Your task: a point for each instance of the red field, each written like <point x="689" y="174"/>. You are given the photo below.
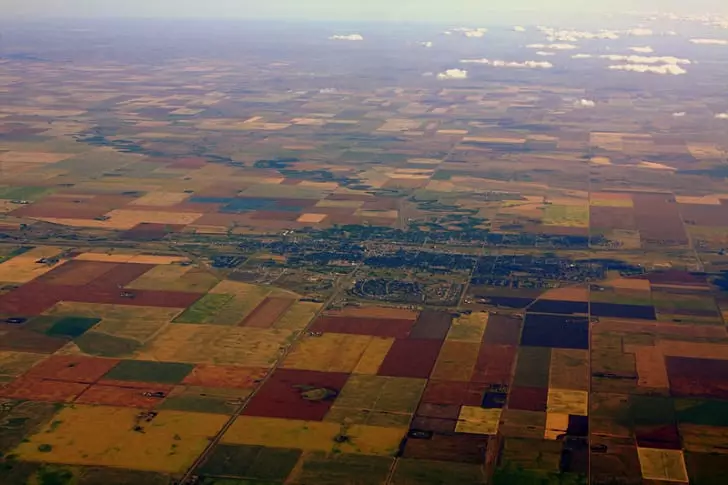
<point x="378" y="327"/>
<point x="410" y="358"/>
<point x="224" y="376"/>
<point x="453" y="393"/>
<point x="284" y="395"/>
<point x="663" y="436"/>
<point x="267" y="312"/>
<point x="495" y="364"/>
<point x="126" y="394"/>
<point x="528" y="398"/>
<point x="72" y="368"/>
<point x="42" y="390"/>
<point x="76" y="273"/>
<point x="698" y="377"/>
<point x="36" y="297"/>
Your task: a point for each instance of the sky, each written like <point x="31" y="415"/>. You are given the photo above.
<point x="345" y="10"/>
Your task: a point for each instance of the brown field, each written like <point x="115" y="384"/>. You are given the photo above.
<point x="124" y="394"/>
<point x="27" y="388"/>
<point x="569" y="369"/>
<point x="216" y="345"/>
<point x="224" y="376"/>
<point x="267" y="312"/>
<point x="72" y="369"/>
<point x="375" y="312"/>
<point x="76" y="273"/>
<point x="456" y="361"/>
<point x="650" y="367"/>
<point x="566" y="294"/>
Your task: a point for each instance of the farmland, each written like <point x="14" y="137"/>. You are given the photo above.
<point x="258" y="266"/>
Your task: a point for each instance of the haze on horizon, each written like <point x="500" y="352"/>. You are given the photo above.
<point x="348" y="10"/>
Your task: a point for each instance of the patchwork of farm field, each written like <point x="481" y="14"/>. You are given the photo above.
<point x="251" y="267"/>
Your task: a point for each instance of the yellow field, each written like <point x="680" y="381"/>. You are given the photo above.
<point x="468" y="328"/>
<point x="567" y="401"/>
<point x="15" y="363"/>
<point x="314" y="436"/>
<point x="477" y="420"/>
<point x="170" y="443"/>
<point x="127" y="321"/>
<point x="373" y="356"/>
<point x="297" y="316"/>
<point x="398" y="395"/>
<point x="23" y="268"/>
<point x="372" y="440"/>
<point x="600" y="161"/>
<point x="456" y="361"/>
<point x="556" y="425"/>
<point x="161" y="199"/>
<point x="566" y="215"/>
<point x="246" y="298"/>
<point x="282" y="433"/>
<point x="311" y="218"/>
<point x="330" y="352"/>
<point x="668" y="465"/>
<point x="216" y="344"/>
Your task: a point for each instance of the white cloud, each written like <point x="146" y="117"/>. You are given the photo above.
<point x="640" y="32"/>
<point x="554" y="35"/>
<point x="517" y="65"/>
<point x="524" y="65"/>
<point x="469" y="32"/>
<point x="518" y="28"/>
<point x="721" y="116"/>
<point x="646" y="59"/>
<point x="679" y="114"/>
<point x="586" y="103"/>
<point x="709" y="41"/>
<point x="426" y="44"/>
<point x="665" y="69"/>
<point x="475" y="61"/>
<point x="642" y="50"/>
<point x="545" y="54"/>
<point x="582" y="56"/>
<point x="352" y="37"/>
<point x="558" y="47"/>
<point x="453" y="74"/>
